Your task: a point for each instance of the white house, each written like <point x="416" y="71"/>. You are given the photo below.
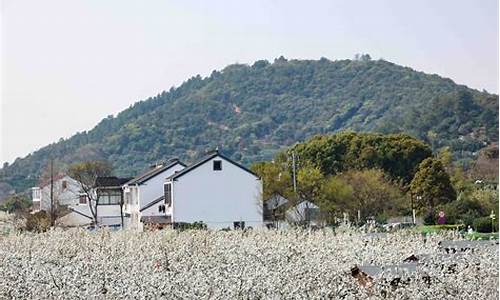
<point x="143" y="195"/>
<point x="109" y="193"/>
<point x="216" y="191"/>
<point x="279" y="212"/>
<point x="65" y="191"/>
<point x="302" y="213"/>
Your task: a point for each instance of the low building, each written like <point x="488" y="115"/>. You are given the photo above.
<point x="144" y="196"/>
<point x="64" y="189"/>
<point x="217" y="191"/>
<point x="304" y="213"/>
<point x="109" y="195"/>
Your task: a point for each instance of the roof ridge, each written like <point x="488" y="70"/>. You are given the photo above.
<point x="207" y="157"/>
<point x="155" y="171"/>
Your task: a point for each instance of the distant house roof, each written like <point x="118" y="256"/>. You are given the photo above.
<point x="110" y="181"/>
<point x="154" y="172"/>
<point x="275" y="201"/>
<point x="463" y="245"/>
<point x="389" y="271"/>
<point x="440" y="257"/>
<point x="206" y="158"/>
<point x="44" y="181"/>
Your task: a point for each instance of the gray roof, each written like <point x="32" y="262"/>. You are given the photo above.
<point x="441" y="258"/>
<point x="375" y="235"/>
<point x="464" y="244"/>
<point x="153" y="172"/>
<point x="110" y="181"/>
<point x="389" y="271"/>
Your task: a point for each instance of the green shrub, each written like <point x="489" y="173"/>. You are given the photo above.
<point x="430" y="218"/>
<point x="15" y="203"/>
<point x="188" y="226"/>
<point x="482" y="224"/>
<point x="463" y="211"/>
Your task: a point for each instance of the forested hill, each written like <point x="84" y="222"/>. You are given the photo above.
<point x="252" y="111"/>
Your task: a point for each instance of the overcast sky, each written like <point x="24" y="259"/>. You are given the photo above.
<point x="65" y="65"/>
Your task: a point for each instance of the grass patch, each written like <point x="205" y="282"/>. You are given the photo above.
<point x="438" y="228"/>
<point x="481" y="236"/>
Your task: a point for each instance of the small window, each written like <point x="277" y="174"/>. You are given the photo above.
<point x="83" y="199"/>
<point x="168" y="194"/>
<point x="161" y="208"/>
<point x="217" y="165"/>
<point x="239" y="225"/>
<point x="64" y="184"/>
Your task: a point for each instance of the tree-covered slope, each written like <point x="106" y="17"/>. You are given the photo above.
<point x="252" y="111"/>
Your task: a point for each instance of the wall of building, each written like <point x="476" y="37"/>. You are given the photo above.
<point x="153" y="188"/>
<point x="63" y="196"/>
<point x="218" y="198"/>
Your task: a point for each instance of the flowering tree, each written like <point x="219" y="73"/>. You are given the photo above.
<point x="256" y="264"/>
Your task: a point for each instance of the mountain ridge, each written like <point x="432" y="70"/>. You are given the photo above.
<point x="252" y="111"/>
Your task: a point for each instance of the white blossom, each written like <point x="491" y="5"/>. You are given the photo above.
<point x="255" y="264"/>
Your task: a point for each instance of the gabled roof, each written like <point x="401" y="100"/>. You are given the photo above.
<point x="79" y="212"/>
<point x="109" y="181"/>
<point x="152" y="203"/>
<point x="43" y="182"/>
<point x="153" y="172"/>
<point x="206" y="158"/>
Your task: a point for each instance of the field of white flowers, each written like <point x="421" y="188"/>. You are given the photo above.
<point x="77" y="264"/>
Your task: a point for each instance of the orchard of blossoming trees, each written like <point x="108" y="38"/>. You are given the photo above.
<point x="78" y="264"/>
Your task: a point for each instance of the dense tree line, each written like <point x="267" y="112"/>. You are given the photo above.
<point x="375" y="175"/>
<point x="251" y="112"/>
<point x="396" y="154"/>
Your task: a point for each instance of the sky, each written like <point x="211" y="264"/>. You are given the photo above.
<point x="65" y="65"/>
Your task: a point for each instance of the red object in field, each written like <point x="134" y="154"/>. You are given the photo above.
<point x="442" y="218"/>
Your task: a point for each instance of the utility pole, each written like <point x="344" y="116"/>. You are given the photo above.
<point x="412" y="208"/>
<point x="52" y="208"/>
<point x="294" y="173"/>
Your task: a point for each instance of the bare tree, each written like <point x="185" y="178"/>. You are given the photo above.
<point x="86" y="174"/>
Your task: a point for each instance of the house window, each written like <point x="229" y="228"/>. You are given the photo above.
<point x="239" y="225"/>
<point x="64" y="184"/>
<point x="217" y="165"/>
<point x="110" y="197"/>
<point x="83" y="199"/>
<point x="36" y="193"/>
<point x="168" y="193"/>
<point x="161" y="208"/>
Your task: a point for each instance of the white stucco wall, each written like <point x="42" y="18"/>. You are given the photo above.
<point x="73" y="219"/>
<point x="153" y="188"/>
<point x="298" y="213"/>
<point x="106" y="214"/>
<point x="218" y="198"/>
<point x="63" y="196"/>
<point x="154" y="210"/>
<point x="143" y="194"/>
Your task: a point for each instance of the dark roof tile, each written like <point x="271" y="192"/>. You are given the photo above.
<point x="153" y="172"/>
<point x="206" y="158"/>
